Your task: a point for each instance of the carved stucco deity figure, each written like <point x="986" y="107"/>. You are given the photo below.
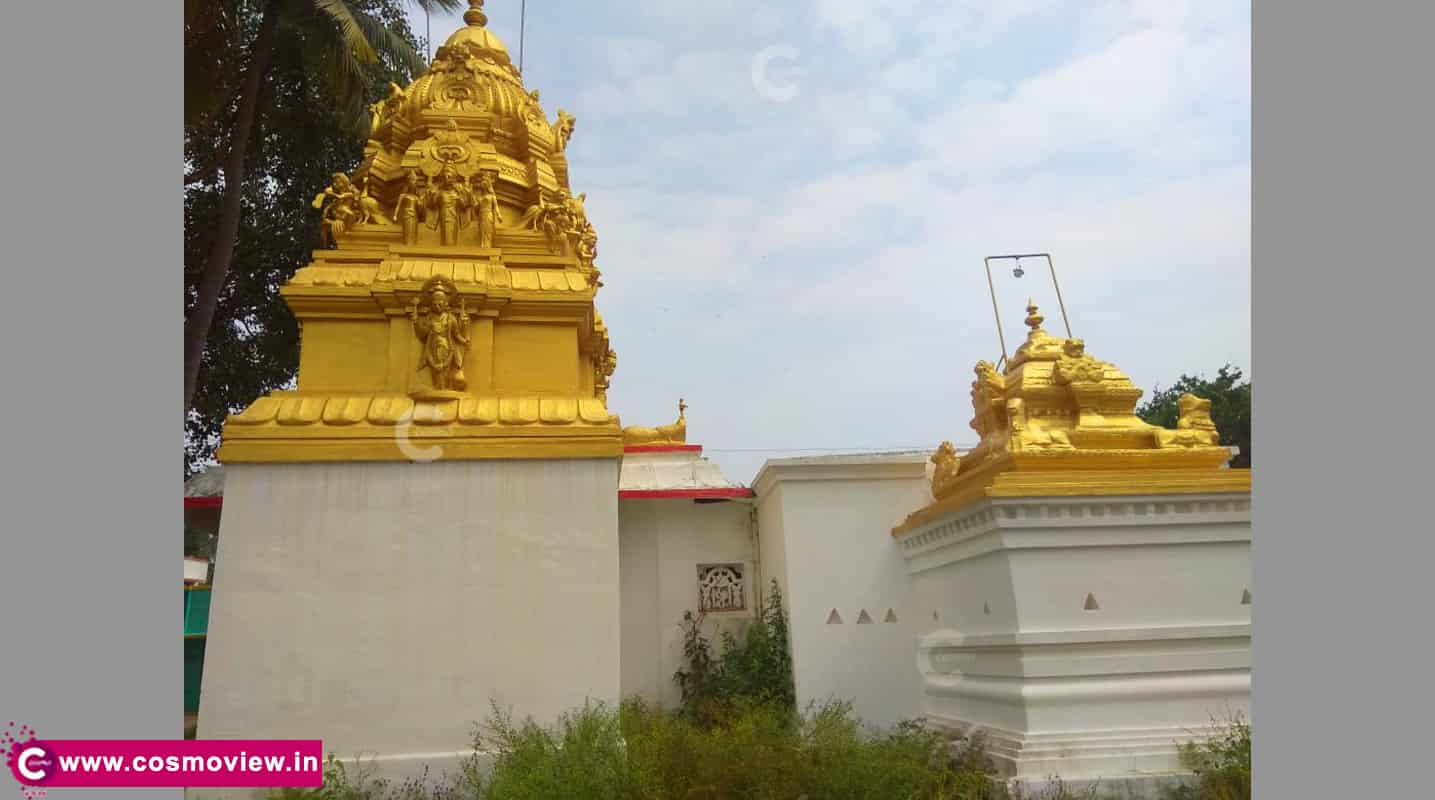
<point x="947" y="465"/>
<point x="1194" y="427"/>
<point x="485" y="199"/>
<point x="563" y="130"/>
<point x="606" y="366"/>
<point x="449" y="199"/>
<point x="340" y="204"/>
<point x="548" y="219"/>
<point x="443" y="333"/>
<point x="406" y="210"/>
<point x="1078" y="366"/>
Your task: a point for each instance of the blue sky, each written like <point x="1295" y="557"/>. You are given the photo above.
<point x="793" y="200"/>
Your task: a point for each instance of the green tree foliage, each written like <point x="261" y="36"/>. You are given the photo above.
<point x="1230" y="407"/>
<point x="284" y="85"/>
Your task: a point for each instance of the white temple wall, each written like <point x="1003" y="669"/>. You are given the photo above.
<point x="383" y="606"/>
<point x="827" y="521"/>
<point x="662" y="544"/>
<point x="771" y="541"/>
<point x="1086" y="636"/>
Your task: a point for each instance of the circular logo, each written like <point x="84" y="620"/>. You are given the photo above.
<point x="34" y="763"/>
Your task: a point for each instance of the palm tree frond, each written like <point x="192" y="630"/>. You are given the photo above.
<point x="388" y="43"/>
<point x="431" y="6"/>
<point x="351" y="28"/>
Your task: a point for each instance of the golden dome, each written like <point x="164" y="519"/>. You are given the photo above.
<point x="477" y="38"/>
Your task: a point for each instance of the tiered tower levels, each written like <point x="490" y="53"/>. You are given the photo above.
<point x="451" y="312"/>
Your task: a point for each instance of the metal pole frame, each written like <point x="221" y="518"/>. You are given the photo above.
<point x="992" y="288"/>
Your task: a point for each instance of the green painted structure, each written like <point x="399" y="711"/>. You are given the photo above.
<point x="196" y="628"/>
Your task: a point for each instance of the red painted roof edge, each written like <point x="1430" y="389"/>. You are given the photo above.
<point x="659" y="494"/>
<point x="203" y="502"/>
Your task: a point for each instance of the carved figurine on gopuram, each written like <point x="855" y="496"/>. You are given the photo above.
<point x="563" y="130"/>
<point x="449" y="199"/>
<point x="406" y="211"/>
<point x="485" y="201"/>
<point x="382" y="113"/>
<point x="947" y="463"/>
<point x="606" y="366"/>
<point x="1194" y="428"/>
<point x="340" y="208"/>
<point x="444" y="335"/>
<point x="548" y="219"/>
<point x="369" y="209"/>
<point x="676" y="433"/>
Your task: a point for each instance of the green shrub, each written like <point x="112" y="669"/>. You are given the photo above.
<point x="342" y="782"/>
<point x="1222" y="763"/>
<point x="755" y="667"/>
<point x="757" y="750"/>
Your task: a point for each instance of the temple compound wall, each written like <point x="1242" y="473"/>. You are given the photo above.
<point x="852" y="615"/>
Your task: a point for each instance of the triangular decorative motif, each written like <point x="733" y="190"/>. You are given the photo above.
<point x="834" y="618"/>
<point x="935" y="618"/>
<point x="863" y="618"/>
<point x="1091" y="604"/>
<point x="891" y="616"/>
<point x="1246" y="597"/>
<point x="986" y="608"/>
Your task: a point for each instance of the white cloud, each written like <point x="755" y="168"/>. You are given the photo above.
<point x="808" y="273"/>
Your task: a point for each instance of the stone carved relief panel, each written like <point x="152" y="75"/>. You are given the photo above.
<point x="721" y="588"/>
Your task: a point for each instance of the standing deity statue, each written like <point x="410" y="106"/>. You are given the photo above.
<point x="485" y="200"/>
<point x="563" y="130"/>
<point x="450" y="199"/>
<point x="443" y="333"/>
<point x="406" y="210"/>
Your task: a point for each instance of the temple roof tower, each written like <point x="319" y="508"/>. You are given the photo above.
<point x="1059" y="422"/>
<point x="451" y="312"/>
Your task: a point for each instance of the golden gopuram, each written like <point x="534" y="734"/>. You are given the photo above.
<point x="451" y="311"/>
<point x="1058" y="422"/>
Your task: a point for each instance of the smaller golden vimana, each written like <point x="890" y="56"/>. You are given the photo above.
<point x="1057" y="421"/>
<point x="453" y="302"/>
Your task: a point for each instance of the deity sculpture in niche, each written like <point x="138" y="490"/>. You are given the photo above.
<point x="406" y="210"/>
<point x="443" y="333"/>
<point x="485" y="201"/>
<point x="450" y="200"/>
